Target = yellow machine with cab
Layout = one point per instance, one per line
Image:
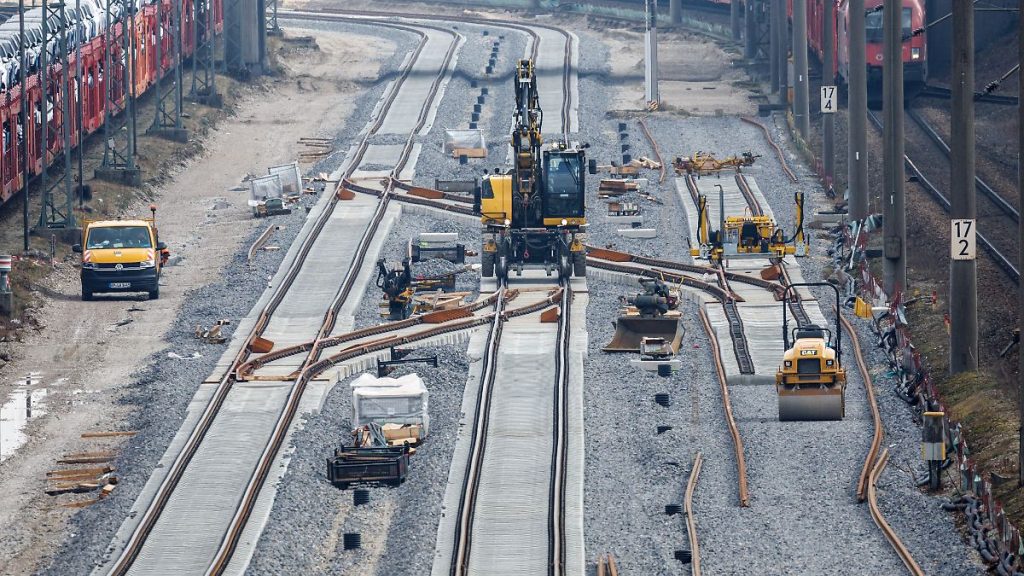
(811, 381)
(747, 236)
(533, 214)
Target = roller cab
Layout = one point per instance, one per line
(811, 380)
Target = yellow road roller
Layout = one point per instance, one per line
(811, 381)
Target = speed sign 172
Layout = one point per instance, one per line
(963, 242)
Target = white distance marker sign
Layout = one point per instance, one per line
(963, 239)
(829, 99)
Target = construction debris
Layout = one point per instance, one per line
(213, 335)
(705, 163)
(87, 458)
(352, 464)
(110, 434)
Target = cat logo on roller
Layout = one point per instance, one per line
(534, 213)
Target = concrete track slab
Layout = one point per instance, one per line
(405, 110)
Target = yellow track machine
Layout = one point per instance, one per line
(811, 381)
(532, 214)
(703, 163)
(747, 236)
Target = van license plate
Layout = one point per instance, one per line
(120, 284)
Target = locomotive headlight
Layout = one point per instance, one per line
(829, 362)
(564, 221)
(915, 53)
(788, 363)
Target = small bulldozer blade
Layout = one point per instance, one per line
(811, 404)
(629, 330)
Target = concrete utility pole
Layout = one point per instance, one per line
(801, 110)
(750, 32)
(857, 152)
(734, 18)
(675, 11)
(1020, 260)
(651, 52)
(963, 274)
(829, 79)
(895, 247)
(773, 45)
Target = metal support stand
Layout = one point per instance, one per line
(801, 106)
(651, 54)
(1020, 260)
(750, 29)
(829, 79)
(167, 119)
(204, 75)
(272, 28)
(119, 101)
(963, 281)
(895, 217)
(398, 357)
(857, 149)
(54, 114)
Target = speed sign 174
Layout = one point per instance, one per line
(963, 241)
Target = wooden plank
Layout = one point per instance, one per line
(97, 470)
(110, 434)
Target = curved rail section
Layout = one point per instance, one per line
(138, 539)
(876, 418)
(691, 523)
(876, 515)
(734, 431)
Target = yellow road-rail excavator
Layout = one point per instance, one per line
(533, 214)
(811, 381)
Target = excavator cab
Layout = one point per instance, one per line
(811, 380)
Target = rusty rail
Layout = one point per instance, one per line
(741, 464)
(876, 515)
(691, 524)
(748, 195)
(656, 148)
(778, 151)
(876, 439)
(261, 241)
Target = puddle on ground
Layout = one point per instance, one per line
(21, 407)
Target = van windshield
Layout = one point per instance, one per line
(118, 237)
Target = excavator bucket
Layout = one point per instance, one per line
(629, 330)
(824, 403)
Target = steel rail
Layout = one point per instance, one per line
(138, 537)
(691, 524)
(876, 417)
(1000, 259)
(778, 151)
(655, 148)
(478, 444)
(1004, 206)
(559, 456)
(876, 515)
(941, 92)
(748, 195)
(310, 365)
(260, 241)
(737, 442)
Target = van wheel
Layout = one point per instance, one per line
(154, 294)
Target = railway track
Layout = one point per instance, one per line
(1005, 261)
(155, 553)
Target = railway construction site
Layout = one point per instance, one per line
(450, 293)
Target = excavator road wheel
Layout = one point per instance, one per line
(564, 268)
(579, 264)
(487, 264)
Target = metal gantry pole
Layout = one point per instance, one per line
(963, 281)
(894, 206)
(55, 114)
(857, 149)
(675, 12)
(23, 125)
(167, 119)
(773, 46)
(828, 77)
(750, 30)
(1020, 258)
(783, 41)
(118, 103)
(734, 18)
(79, 116)
(651, 53)
(801, 99)
(204, 76)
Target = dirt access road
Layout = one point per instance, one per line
(86, 354)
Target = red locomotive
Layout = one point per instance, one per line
(93, 89)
